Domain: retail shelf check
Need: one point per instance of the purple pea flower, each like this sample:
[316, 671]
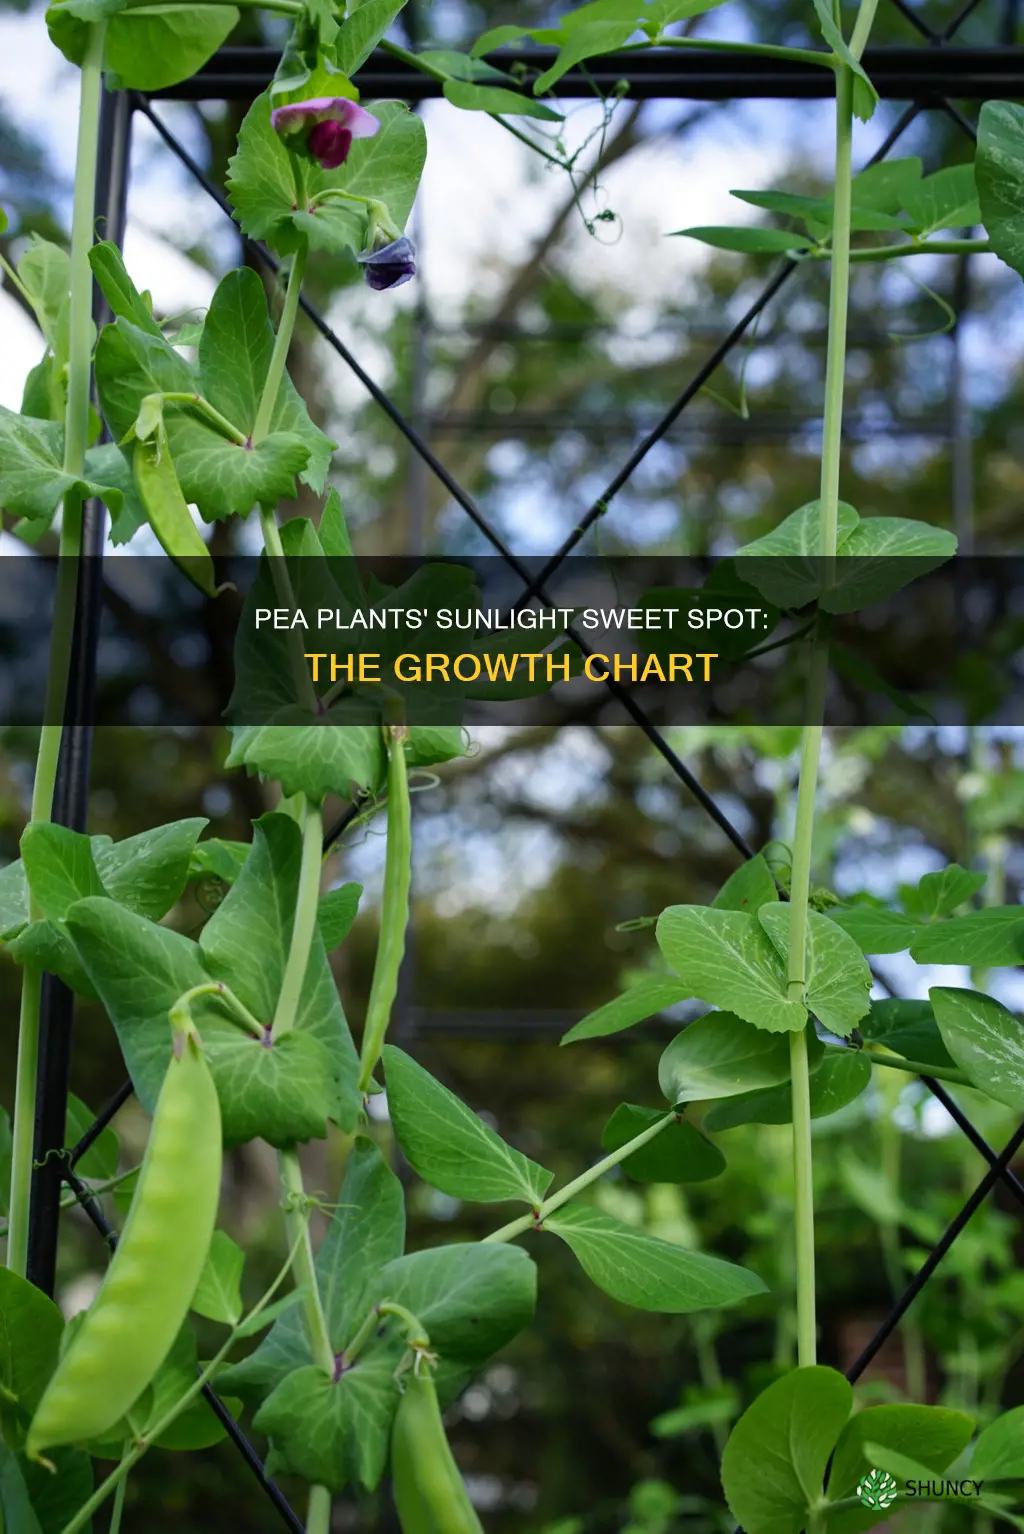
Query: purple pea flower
[390, 266]
[328, 124]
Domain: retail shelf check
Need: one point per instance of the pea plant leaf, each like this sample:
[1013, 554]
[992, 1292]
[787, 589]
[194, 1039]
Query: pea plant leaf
[472, 96]
[727, 959]
[880, 556]
[999, 1453]
[643, 999]
[30, 1331]
[865, 97]
[933, 1435]
[838, 977]
[908, 1028]
[32, 477]
[838, 1081]
[361, 31]
[748, 889]
[999, 170]
[774, 1462]
[218, 1295]
[234, 358]
[747, 238]
[60, 867]
[310, 755]
[985, 1039]
[335, 914]
[947, 199]
[720, 1055]
[994, 936]
[246, 943]
[35, 1500]
[147, 47]
[449, 1145]
[785, 565]
[939, 894]
[875, 930]
[367, 1230]
[679, 1154]
[123, 297]
[471, 1300]
[148, 872]
[14, 907]
[645, 1271]
[600, 27]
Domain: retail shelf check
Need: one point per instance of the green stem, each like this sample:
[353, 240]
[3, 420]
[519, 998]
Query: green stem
[304, 923]
[838, 308]
[537, 1216]
[76, 431]
[919, 248]
[16, 282]
[297, 1226]
[203, 407]
[765, 50]
[918, 1068]
[318, 1510]
[282, 344]
[181, 1012]
[394, 913]
[117, 1511]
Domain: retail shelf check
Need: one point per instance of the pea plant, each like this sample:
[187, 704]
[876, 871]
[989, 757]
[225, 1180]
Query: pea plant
[239, 1034]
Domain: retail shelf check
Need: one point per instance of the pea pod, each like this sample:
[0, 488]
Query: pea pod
[152, 1278]
[430, 1495]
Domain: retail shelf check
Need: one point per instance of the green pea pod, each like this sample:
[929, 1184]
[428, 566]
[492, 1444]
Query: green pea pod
[430, 1494]
[167, 509]
[145, 1296]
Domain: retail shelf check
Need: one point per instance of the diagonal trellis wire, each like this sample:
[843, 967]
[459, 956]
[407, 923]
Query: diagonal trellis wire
[999, 1164]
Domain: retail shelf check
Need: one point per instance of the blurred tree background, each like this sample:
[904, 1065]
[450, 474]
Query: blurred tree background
[539, 345]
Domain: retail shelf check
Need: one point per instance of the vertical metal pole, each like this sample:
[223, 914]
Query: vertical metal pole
[72, 786]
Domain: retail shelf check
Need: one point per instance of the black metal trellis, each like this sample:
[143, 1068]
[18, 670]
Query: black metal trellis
[925, 76]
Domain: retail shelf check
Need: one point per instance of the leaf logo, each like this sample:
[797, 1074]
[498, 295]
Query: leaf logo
[877, 1489]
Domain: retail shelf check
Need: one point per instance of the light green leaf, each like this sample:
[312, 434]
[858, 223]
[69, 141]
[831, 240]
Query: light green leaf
[449, 1145]
[470, 96]
[219, 1295]
[106, 464]
[60, 867]
[875, 930]
[999, 1453]
[887, 185]
[940, 894]
[933, 1435]
[839, 1080]
[786, 564]
[45, 273]
[32, 477]
[985, 1039]
[818, 212]
[645, 998]
[14, 908]
[123, 297]
[865, 97]
[335, 914]
[838, 978]
[313, 755]
[678, 1154]
[148, 872]
[30, 1330]
[150, 47]
[727, 959]
[748, 889]
[988, 938]
[880, 556]
[234, 359]
[999, 170]
[946, 200]
[720, 1055]
[646, 1272]
[588, 40]
[749, 240]
[246, 944]
[361, 31]
[774, 1462]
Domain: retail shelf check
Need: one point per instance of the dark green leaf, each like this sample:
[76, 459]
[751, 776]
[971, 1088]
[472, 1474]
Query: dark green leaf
[646, 1272]
[882, 555]
[60, 867]
[124, 299]
[30, 1330]
[218, 1295]
[32, 477]
[786, 564]
[315, 756]
[449, 1145]
[361, 31]
[472, 97]
[875, 930]
[720, 1055]
[749, 240]
[908, 1028]
[645, 998]
[748, 889]
[940, 894]
[148, 872]
[335, 914]
[946, 200]
[840, 1078]
[933, 1435]
[994, 936]
[774, 1462]
[680, 1153]
[999, 1452]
